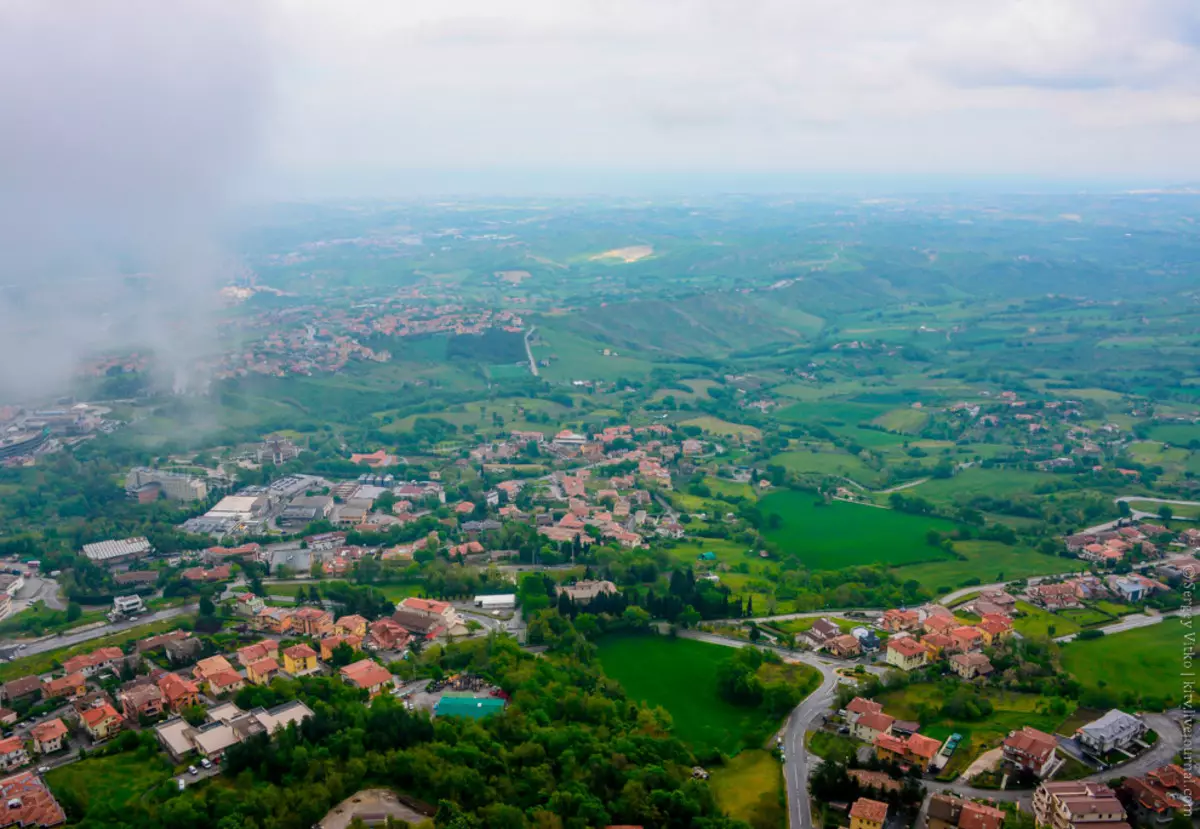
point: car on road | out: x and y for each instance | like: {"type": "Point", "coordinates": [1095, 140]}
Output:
{"type": "Point", "coordinates": [182, 784]}
{"type": "Point", "coordinates": [43, 769]}
{"type": "Point", "coordinates": [193, 770]}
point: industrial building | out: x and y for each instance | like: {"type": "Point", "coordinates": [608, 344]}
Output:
{"type": "Point", "coordinates": [174, 485]}
{"type": "Point", "coordinates": [111, 553]}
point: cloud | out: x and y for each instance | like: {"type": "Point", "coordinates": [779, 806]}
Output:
{"type": "Point", "coordinates": [842, 85]}
{"type": "Point", "coordinates": [126, 124]}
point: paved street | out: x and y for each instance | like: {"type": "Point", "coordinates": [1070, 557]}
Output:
{"type": "Point", "coordinates": [66, 640]}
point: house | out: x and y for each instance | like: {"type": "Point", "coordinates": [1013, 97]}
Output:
{"type": "Point", "coordinates": [444, 612]}
{"type": "Point", "coordinates": [859, 706]}
{"type": "Point", "coordinates": [944, 811]}
{"type": "Point", "coordinates": [178, 693]}
{"type": "Point", "coordinates": [249, 605]}
{"type": "Point", "coordinates": [367, 675]}
{"type": "Point", "coordinates": [352, 625]}
{"type": "Point", "coordinates": [418, 624]}
{"type": "Point", "coordinates": [262, 671]}
{"type": "Point", "coordinates": [845, 646]}
{"type": "Point", "coordinates": [8, 716]}
{"type": "Point", "coordinates": [29, 802]}
{"type": "Point", "coordinates": [940, 624]}
{"type": "Point", "coordinates": [48, 736]}
{"type": "Point", "coordinates": [868, 814]}
{"type": "Point", "coordinates": [300, 660]}
{"type": "Point", "coordinates": [877, 780]}
{"type": "Point", "coordinates": [1115, 731]}
{"type": "Point", "coordinates": [1030, 750]}
{"type": "Point", "coordinates": [966, 639]}
{"type": "Point", "coordinates": [222, 572]}
{"type": "Point", "coordinates": [870, 725]}
{"type": "Point", "coordinates": [906, 653]}
{"type": "Point", "coordinates": [266, 649]}
{"type": "Point", "coordinates": [921, 750]}
{"type": "Point", "coordinates": [101, 722]}
{"type": "Point", "coordinates": [277, 620]}
{"type": "Point", "coordinates": [153, 643]}
{"type": "Point", "coordinates": [980, 816]}
{"type": "Point", "coordinates": [212, 665]}
{"type": "Point", "coordinates": [17, 689]}
{"type": "Point", "coordinates": [12, 753]}
{"type": "Point", "coordinates": [582, 592]}
{"type": "Point", "coordinates": [995, 627]}
{"type": "Point", "coordinates": [89, 664]}
{"type": "Point", "coordinates": [1078, 805]}
{"type": "Point", "coordinates": [183, 651]}
{"type": "Point", "coordinates": [312, 621]}
{"type": "Point", "coordinates": [867, 638]}
{"type": "Point", "coordinates": [387, 635]}
{"type": "Point", "coordinates": [145, 700]}
{"type": "Point", "coordinates": [936, 644]}
{"type": "Point", "coordinates": [1054, 596]}
{"type": "Point", "coordinates": [70, 686]}
{"type": "Point", "coordinates": [1155, 798]}
{"type": "Point", "coordinates": [329, 643]}
{"type": "Point", "coordinates": [822, 632]}
{"type": "Point", "coordinates": [1006, 602]}
{"type": "Point", "coordinates": [224, 682]}
{"type": "Point", "coordinates": [897, 621]}
{"type": "Point", "coordinates": [970, 665]}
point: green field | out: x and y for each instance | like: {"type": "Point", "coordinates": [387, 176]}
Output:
{"type": "Point", "coordinates": [681, 676]}
{"type": "Point", "coordinates": [975, 481]}
{"type": "Point", "coordinates": [988, 561]}
{"type": "Point", "coordinates": [839, 534]}
{"type": "Point", "coordinates": [909, 421]}
{"type": "Point", "coordinates": [831, 462]}
{"type": "Point", "coordinates": [111, 781]}
{"type": "Point", "coordinates": [723, 428]}
{"type": "Point", "coordinates": [1178, 434]}
{"type": "Point", "coordinates": [1143, 664]}
{"type": "Point", "coordinates": [1035, 623]}
{"type": "Point", "coordinates": [749, 787]}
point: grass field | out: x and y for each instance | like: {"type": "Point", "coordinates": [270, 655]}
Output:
{"type": "Point", "coordinates": [806, 622]}
{"type": "Point", "coordinates": [723, 428]}
{"type": "Point", "coordinates": [909, 421]}
{"type": "Point", "coordinates": [681, 676]}
{"type": "Point", "coordinates": [828, 463]}
{"type": "Point", "coordinates": [115, 780]}
{"type": "Point", "coordinates": [1145, 663]}
{"type": "Point", "coordinates": [839, 534]}
{"type": "Point", "coordinates": [1179, 434]}
{"type": "Point", "coordinates": [988, 561]}
{"type": "Point", "coordinates": [922, 701]}
{"type": "Point", "coordinates": [969, 483]}
{"type": "Point", "coordinates": [1035, 623]}
{"type": "Point", "coordinates": [831, 746]}
{"type": "Point", "coordinates": [750, 787]}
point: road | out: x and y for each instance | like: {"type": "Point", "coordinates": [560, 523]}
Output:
{"type": "Point", "coordinates": [1130, 622]}
{"type": "Point", "coordinates": [67, 640]}
{"type": "Point", "coordinates": [533, 369]}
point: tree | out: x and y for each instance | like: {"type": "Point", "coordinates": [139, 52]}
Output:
{"type": "Point", "coordinates": [195, 715]}
{"type": "Point", "coordinates": [689, 617]}
{"type": "Point", "coordinates": [342, 655]}
{"type": "Point", "coordinates": [74, 611]}
{"type": "Point", "coordinates": [1164, 512]}
{"type": "Point", "coordinates": [207, 608]}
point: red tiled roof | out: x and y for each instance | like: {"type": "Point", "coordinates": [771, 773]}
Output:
{"type": "Point", "coordinates": [922, 746]}
{"type": "Point", "coordinates": [48, 730]}
{"type": "Point", "coordinates": [94, 716]}
{"type": "Point", "coordinates": [366, 673]}
{"type": "Point", "coordinates": [905, 646]}
{"type": "Point", "coordinates": [37, 805]}
{"type": "Point", "coordinates": [867, 809]}
{"type": "Point", "coordinates": [876, 721]}
{"type": "Point", "coordinates": [300, 652]}
{"type": "Point", "coordinates": [860, 705]}
{"type": "Point", "coordinates": [978, 816]}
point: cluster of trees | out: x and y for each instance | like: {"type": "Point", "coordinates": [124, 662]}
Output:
{"type": "Point", "coordinates": [740, 681]}
{"type": "Point", "coordinates": [571, 751]}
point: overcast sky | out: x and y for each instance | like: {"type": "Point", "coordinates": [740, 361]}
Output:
{"type": "Point", "coordinates": [1062, 88]}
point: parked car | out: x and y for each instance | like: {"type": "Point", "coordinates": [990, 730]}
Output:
{"type": "Point", "coordinates": [182, 784]}
{"type": "Point", "coordinates": [206, 763]}
{"type": "Point", "coordinates": [193, 770]}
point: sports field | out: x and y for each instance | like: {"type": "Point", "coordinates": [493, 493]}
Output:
{"type": "Point", "coordinates": [839, 534]}
{"type": "Point", "coordinates": [681, 676]}
{"type": "Point", "coordinates": [1145, 663]}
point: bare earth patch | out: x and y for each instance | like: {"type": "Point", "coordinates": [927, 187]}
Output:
{"type": "Point", "coordinates": [627, 255]}
{"type": "Point", "coordinates": [372, 805]}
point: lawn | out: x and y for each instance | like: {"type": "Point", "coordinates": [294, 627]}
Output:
{"type": "Point", "coordinates": [922, 701]}
{"type": "Point", "coordinates": [829, 746]}
{"type": "Point", "coordinates": [681, 676]}
{"type": "Point", "coordinates": [46, 661]}
{"type": "Point", "coordinates": [115, 780]}
{"type": "Point", "coordinates": [1145, 664]}
{"type": "Point", "coordinates": [749, 787]}
{"type": "Point", "coordinates": [988, 561]}
{"type": "Point", "coordinates": [1035, 623]}
{"type": "Point", "coordinates": [839, 534]}
{"type": "Point", "coordinates": [806, 622]}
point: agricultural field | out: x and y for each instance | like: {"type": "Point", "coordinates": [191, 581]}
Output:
{"type": "Point", "coordinates": [907, 421]}
{"type": "Point", "coordinates": [1177, 434]}
{"type": "Point", "coordinates": [749, 787]}
{"type": "Point", "coordinates": [839, 534]}
{"type": "Point", "coordinates": [108, 783]}
{"type": "Point", "coordinates": [988, 561]}
{"type": "Point", "coordinates": [1144, 664]}
{"type": "Point", "coordinates": [923, 701]}
{"type": "Point", "coordinates": [975, 481]}
{"type": "Point", "coordinates": [723, 428]}
{"type": "Point", "coordinates": [828, 462]}
{"type": "Point", "coordinates": [684, 682]}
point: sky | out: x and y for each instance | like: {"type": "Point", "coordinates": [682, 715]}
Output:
{"type": "Point", "coordinates": [369, 95]}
